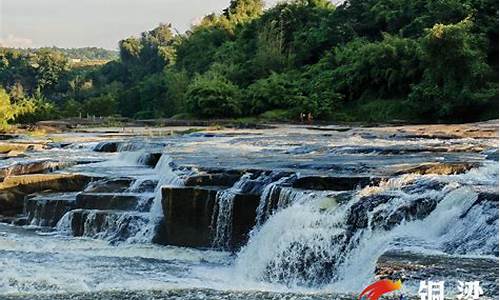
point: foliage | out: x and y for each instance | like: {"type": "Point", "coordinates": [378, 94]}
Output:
{"type": "Point", "coordinates": [278, 91]}
{"type": "Point", "coordinates": [213, 96]}
{"type": "Point", "coordinates": [7, 110]}
{"type": "Point", "coordinates": [455, 82]}
{"type": "Point", "coordinates": [362, 60]}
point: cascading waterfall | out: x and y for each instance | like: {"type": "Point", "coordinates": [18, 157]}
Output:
{"type": "Point", "coordinates": [266, 199]}
{"type": "Point", "coordinates": [222, 217]}
{"type": "Point", "coordinates": [319, 241]}
{"type": "Point", "coordinates": [64, 224]}
{"type": "Point", "coordinates": [167, 176]}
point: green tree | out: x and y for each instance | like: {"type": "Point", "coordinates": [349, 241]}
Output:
{"type": "Point", "coordinates": [455, 84]}
{"type": "Point", "coordinates": [212, 96]}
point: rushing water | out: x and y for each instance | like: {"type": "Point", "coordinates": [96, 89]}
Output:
{"type": "Point", "coordinates": [306, 244]}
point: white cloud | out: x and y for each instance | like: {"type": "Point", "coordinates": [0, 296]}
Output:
{"type": "Point", "coordinates": [16, 42]}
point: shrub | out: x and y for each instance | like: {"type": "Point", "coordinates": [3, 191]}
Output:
{"type": "Point", "coordinates": [211, 95]}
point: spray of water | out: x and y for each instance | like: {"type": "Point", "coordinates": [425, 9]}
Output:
{"type": "Point", "coordinates": [310, 244]}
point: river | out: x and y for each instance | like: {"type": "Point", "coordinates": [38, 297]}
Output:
{"type": "Point", "coordinates": [289, 212]}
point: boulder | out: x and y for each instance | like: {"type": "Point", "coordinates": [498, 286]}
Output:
{"type": "Point", "coordinates": [150, 159]}
{"type": "Point", "coordinates": [107, 147]}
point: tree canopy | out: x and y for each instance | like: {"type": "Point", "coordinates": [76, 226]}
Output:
{"type": "Point", "coordinates": [363, 60]}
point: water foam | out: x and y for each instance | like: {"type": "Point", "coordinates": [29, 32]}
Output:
{"type": "Point", "coordinates": [307, 244]}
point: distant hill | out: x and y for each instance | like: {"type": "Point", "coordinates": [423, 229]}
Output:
{"type": "Point", "coordinates": [87, 53]}
{"type": "Point", "coordinates": [83, 54]}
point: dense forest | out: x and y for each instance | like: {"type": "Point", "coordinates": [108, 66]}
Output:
{"type": "Point", "coordinates": [363, 60]}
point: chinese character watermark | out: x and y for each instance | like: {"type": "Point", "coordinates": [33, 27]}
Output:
{"type": "Point", "coordinates": [431, 290]}
{"type": "Point", "coordinates": [469, 290]}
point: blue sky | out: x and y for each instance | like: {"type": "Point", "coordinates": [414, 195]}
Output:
{"type": "Point", "coordinates": [102, 23]}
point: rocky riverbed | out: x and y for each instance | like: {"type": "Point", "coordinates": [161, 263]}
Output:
{"type": "Point", "coordinates": [285, 212]}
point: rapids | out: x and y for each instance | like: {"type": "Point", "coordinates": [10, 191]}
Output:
{"type": "Point", "coordinates": [332, 210]}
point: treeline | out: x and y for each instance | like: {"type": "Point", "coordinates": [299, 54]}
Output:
{"type": "Point", "coordinates": [365, 60]}
{"type": "Point", "coordinates": [84, 53]}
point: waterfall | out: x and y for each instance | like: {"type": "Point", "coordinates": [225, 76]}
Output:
{"type": "Point", "coordinates": [318, 241]}
{"type": "Point", "coordinates": [266, 199]}
{"type": "Point", "coordinates": [222, 217]}
{"type": "Point", "coordinates": [167, 175]}
{"type": "Point", "coordinates": [64, 224]}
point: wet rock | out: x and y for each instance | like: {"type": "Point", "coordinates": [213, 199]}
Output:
{"type": "Point", "coordinates": [109, 185]}
{"type": "Point", "coordinates": [491, 154]}
{"type": "Point", "coordinates": [387, 217]}
{"type": "Point", "coordinates": [47, 210]}
{"type": "Point", "coordinates": [6, 147]}
{"type": "Point", "coordinates": [14, 188]}
{"type": "Point", "coordinates": [243, 219]}
{"type": "Point", "coordinates": [417, 209]}
{"type": "Point", "coordinates": [150, 159]}
{"type": "Point", "coordinates": [358, 215]}
{"type": "Point", "coordinates": [107, 147]}
{"type": "Point", "coordinates": [188, 216]}
{"type": "Point", "coordinates": [258, 180]}
{"type": "Point", "coordinates": [440, 168]}
{"type": "Point", "coordinates": [114, 226]}
{"type": "Point", "coordinates": [217, 179]}
{"type": "Point", "coordinates": [191, 216]}
{"type": "Point", "coordinates": [146, 186]}
{"type": "Point", "coordinates": [32, 167]}
{"type": "Point", "coordinates": [20, 221]}
{"type": "Point", "coordinates": [329, 128]}
{"type": "Point", "coordinates": [4, 137]}
{"type": "Point", "coordinates": [484, 198]}
{"type": "Point", "coordinates": [107, 201]}
{"type": "Point", "coordinates": [333, 183]}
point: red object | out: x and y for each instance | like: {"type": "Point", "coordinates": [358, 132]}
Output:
{"type": "Point", "coordinates": [377, 289]}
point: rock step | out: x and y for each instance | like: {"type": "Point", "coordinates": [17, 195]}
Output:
{"type": "Point", "coordinates": [216, 179]}
{"type": "Point", "coordinates": [191, 214]}
{"type": "Point", "coordinates": [447, 168]}
{"type": "Point", "coordinates": [333, 183]}
{"type": "Point", "coordinates": [14, 189]}
{"type": "Point", "coordinates": [109, 185]}
{"type": "Point", "coordinates": [32, 167]}
{"type": "Point", "coordinates": [48, 209]}
{"type": "Point", "coordinates": [111, 225]}
{"type": "Point", "coordinates": [107, 201]}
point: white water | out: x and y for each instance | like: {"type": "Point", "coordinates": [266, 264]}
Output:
{"type": "Point", "coordinates": [309, 243]}
{"type": "Point", "coordinates": [312, 223]}
{"type": "Point", "coordinates": [167, 176]}
{"type": "Point", "coordinates": [222, 217]}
